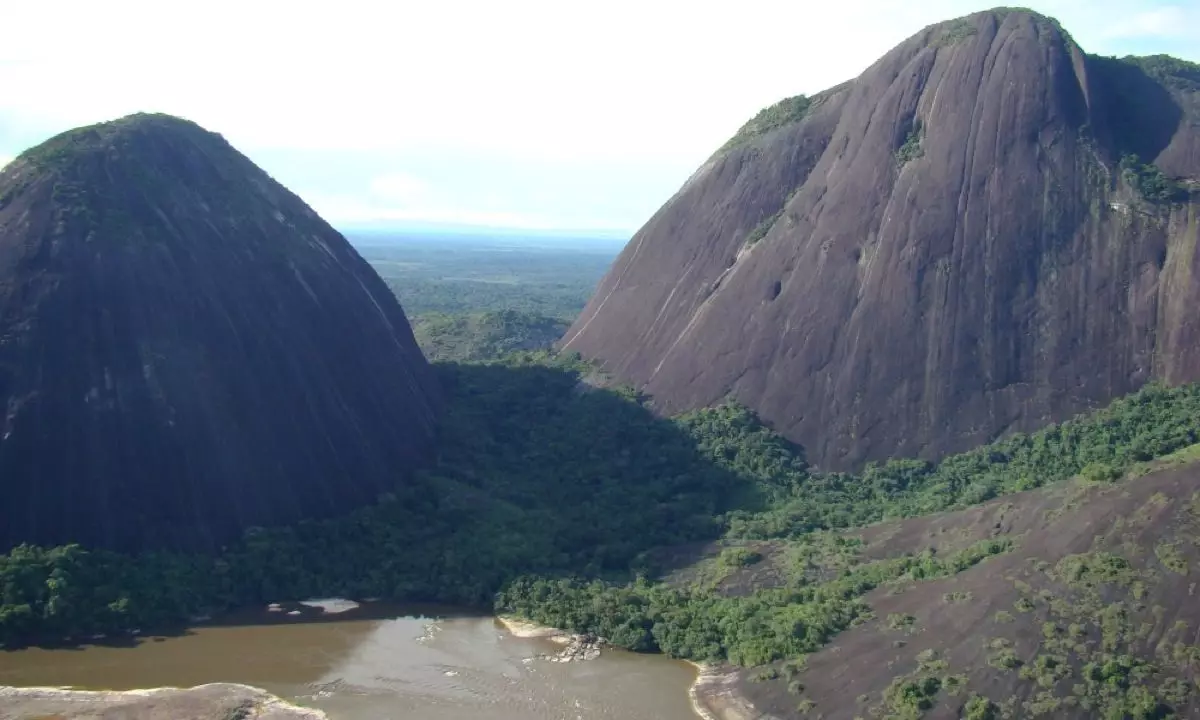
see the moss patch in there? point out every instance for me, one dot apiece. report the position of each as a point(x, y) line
point(785, 112)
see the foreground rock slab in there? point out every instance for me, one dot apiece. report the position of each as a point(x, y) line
point(216, 701)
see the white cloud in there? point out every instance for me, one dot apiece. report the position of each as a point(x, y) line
point(1170, 21)
point(4, 160)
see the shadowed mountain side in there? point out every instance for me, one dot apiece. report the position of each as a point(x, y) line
point(956, 245)
point(536, 471)
point(187, 349)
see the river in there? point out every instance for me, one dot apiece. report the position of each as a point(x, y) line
point(377, 662)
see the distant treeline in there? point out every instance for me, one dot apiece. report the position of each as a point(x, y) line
point(484, 335)
point(480, 276)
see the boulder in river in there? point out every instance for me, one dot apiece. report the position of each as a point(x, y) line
point(579, 647)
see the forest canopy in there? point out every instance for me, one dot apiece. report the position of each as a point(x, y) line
point(546, 485)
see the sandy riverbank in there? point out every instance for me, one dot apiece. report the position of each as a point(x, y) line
point(525, 629)
point(714, 693)
point(215, 701)
point(715, 696)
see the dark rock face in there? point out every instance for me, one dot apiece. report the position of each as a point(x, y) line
point(187, 349)
point(946, 249)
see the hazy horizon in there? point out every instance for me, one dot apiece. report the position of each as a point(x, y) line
point(424, 229)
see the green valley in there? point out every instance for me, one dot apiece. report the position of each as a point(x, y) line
point(704, 536)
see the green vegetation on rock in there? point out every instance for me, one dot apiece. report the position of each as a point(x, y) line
point(1088, 655)
point(954, 31)
point(981, 708)
point(1151, 423)
point(764, 626)
point(1171, 71)
point(760, 231)
point(484, 336)
point(534, 476)
point(70, 145)
point(550, 499)
point(785, 112)
point(1150, 182)
point(537, 478)
point(911, 149)
point(738, 557)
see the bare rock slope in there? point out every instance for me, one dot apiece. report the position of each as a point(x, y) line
point(1091, 612)
point(187, 349)
point(957, 244)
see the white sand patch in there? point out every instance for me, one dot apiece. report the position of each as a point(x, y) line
point(525, 629)
point(331, 605)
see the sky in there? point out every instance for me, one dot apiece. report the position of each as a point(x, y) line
point(522, 113)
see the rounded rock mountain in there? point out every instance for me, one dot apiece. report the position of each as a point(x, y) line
point(187, 350)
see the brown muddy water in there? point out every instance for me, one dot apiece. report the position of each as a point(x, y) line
point(377, 662)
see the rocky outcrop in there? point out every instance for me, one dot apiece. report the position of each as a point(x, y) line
point(187, 350)
point(578, 647)
point(956, 245)
point(217, 701)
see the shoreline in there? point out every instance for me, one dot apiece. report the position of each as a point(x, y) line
point(713, 694)
point(210, 701)
point(699, 706)
point(525, 629)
